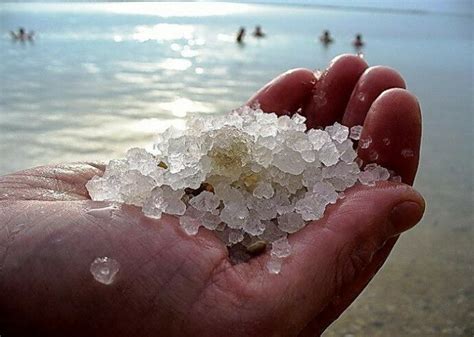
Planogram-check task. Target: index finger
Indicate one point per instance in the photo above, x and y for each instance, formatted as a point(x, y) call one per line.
point(286, 93)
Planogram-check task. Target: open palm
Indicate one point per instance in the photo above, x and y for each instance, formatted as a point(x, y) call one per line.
point(172, 284)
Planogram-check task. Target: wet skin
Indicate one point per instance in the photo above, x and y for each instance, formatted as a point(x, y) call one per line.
point(171, 284)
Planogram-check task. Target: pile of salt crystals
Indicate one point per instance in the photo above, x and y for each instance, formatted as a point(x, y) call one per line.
point(252, 177)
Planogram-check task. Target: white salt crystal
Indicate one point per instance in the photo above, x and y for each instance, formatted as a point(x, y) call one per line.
point(210, 221)
point(290, 222)
point(253, 225)
point(104, 270)
point(329, 154)
point(372, 173)
point(235, 236)
point(298, 119)
point(141, 160)
point(338, 132)
point(155, 204)
point(325, 192)
point(367, 178)
point(318, 138)
point(205, 201)
point(355, 132)
point(308, 156)
point(264, 175)
point(274, 265)
point(289, 162)
point(263, 190)
point(272, 232)
point(190, 225)
point(365, 143)
point(281, 248)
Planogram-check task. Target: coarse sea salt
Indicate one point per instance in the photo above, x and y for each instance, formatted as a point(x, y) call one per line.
point(252, 177)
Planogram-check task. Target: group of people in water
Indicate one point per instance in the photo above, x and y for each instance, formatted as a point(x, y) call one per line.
point(22, 35)
point(258, 33)
point(327, 39)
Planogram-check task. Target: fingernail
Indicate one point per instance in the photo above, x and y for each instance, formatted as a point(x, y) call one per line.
point(406, 215)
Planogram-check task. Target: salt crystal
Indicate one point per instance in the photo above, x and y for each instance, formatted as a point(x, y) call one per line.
point(318, 138)
point(205, 201)
point(249, 176)
point(189, 224)
point(264, 190)
point(367, 178)
point(338, 132)
point(272, 232)
point(365, 143)
point(104, 270)
point(329, 154)
point(274, 265)
point(355, 132)
point(235, 236)
point(290, 222)
point(281, 248)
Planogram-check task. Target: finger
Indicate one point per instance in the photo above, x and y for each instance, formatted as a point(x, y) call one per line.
point(331, 93)
point(371, 84)
point(391, 135)
point(331, 253)
point(287, 93)
point(349, 294)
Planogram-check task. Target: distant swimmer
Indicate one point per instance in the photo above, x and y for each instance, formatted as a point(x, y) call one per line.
point(22, 35)
point(358, 43)
point(240, 35)
point(326, 38)
point(258, 32)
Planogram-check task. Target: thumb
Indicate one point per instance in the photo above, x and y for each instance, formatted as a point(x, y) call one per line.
point(331, 254)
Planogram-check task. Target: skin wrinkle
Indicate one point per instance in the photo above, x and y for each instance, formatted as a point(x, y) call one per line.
point(43, 191)
point(155, 300)
point(69, 179)
point(218, 283)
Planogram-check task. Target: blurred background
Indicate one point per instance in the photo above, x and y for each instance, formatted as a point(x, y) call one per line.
point(99, 78)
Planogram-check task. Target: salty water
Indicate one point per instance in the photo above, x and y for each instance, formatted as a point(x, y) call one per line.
point(101, 78)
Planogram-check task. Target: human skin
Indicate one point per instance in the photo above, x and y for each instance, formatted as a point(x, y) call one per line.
point(171, 284)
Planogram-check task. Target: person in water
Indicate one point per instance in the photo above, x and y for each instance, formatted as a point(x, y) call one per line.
point(358, 43)
point(258, 32)
point(240, 35)
point(326, 38)
point(22, 35)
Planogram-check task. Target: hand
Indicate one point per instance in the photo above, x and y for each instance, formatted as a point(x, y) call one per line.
point(172, 284)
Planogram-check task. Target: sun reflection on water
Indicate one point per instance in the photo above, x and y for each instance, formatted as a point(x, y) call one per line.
point(163, 32)
point(181, 106)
